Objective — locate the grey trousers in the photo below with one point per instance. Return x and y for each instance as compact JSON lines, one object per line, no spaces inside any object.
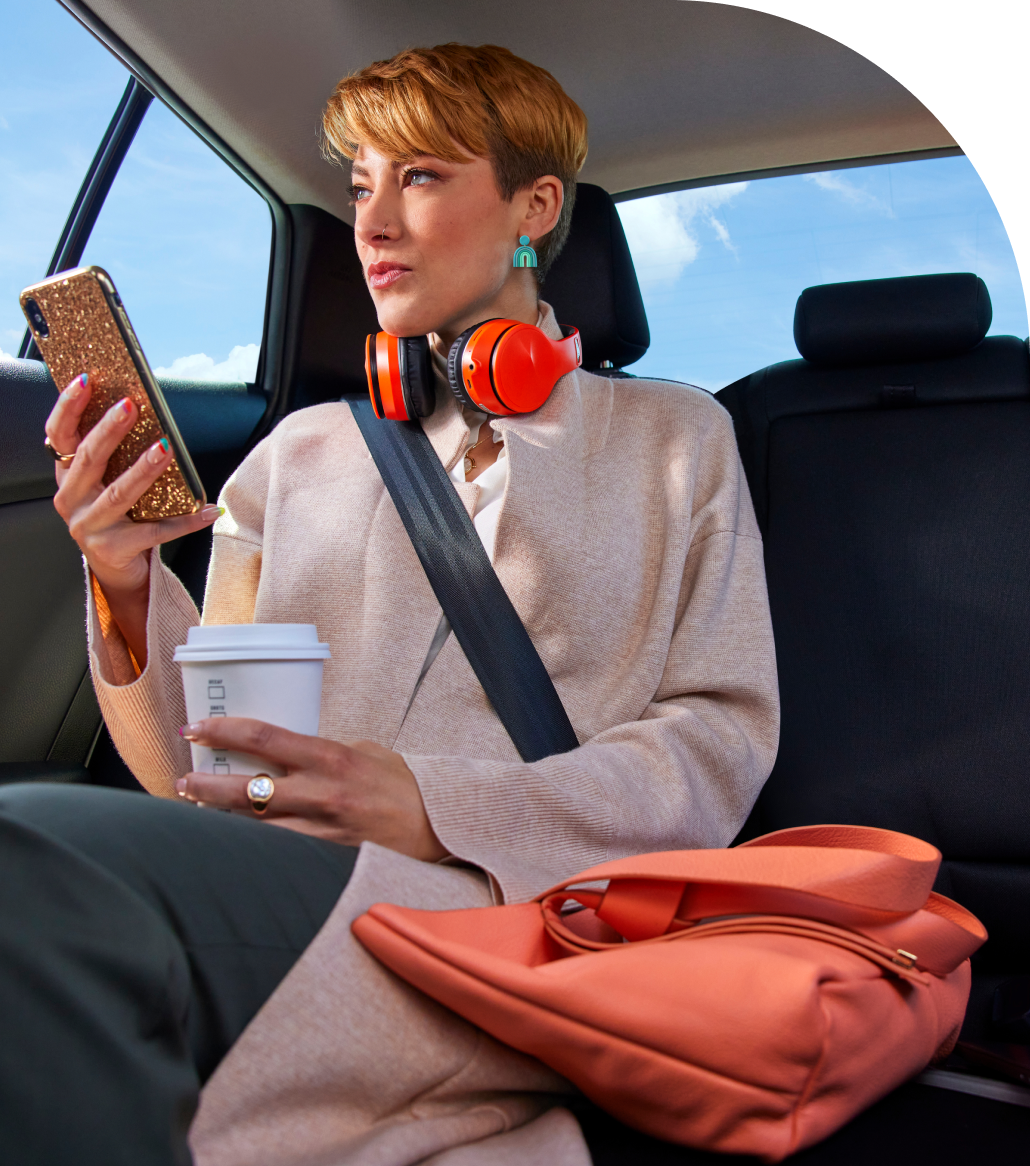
{"x":138,"y":938}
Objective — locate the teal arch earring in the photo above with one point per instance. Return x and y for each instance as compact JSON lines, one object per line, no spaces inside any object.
{"x":524,"y":255}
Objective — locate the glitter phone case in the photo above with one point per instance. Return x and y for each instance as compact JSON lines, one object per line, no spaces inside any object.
{"x":80,"y":326}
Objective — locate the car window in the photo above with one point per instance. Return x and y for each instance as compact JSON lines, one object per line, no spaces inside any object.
{"x":186,"y":240}
{"x":187,"y":243}
{"x":721,"y":267}
{"x":58,"y":90}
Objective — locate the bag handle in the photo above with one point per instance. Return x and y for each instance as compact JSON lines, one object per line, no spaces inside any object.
{"x":869,"y":882}
{"x":483,"y":617}
{"x":862,"y":866}
{"x":850,"y":876}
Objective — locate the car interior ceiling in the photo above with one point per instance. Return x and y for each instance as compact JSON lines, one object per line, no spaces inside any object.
{"x":738,"y":90}
{"x":888,"y":464}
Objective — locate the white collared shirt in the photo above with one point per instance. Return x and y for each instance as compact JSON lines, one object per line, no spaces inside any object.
{"x":491,"y":483}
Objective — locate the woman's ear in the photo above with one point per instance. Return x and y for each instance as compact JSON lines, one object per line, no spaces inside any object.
{"x":543,"y":206}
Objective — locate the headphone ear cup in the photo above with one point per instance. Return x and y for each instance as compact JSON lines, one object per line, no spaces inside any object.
{"x":502,"y":367}
{"x":417,"y":376}
{"x":454,"y":368}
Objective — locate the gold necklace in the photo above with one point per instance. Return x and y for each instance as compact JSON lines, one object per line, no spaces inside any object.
{"x":470,"y":461}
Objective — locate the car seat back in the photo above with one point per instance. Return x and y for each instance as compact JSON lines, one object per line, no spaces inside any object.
{"x":593,"y":284}
{"x":891,"y":476}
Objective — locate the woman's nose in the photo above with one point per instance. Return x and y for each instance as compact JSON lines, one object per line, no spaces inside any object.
{"x":373,"y":222}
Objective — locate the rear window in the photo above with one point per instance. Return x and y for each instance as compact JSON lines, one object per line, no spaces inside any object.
{"x":721,"y":267}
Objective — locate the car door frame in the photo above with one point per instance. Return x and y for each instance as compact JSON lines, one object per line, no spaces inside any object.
{"x":271,"y":378}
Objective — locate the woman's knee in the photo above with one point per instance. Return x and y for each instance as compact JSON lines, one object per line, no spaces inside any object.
{"x":167,"y":849}
{"x":135,"y":837}
{"x":67,"y":811}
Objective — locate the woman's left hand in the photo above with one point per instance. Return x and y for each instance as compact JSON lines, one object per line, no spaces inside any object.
{"x":349,"y":793}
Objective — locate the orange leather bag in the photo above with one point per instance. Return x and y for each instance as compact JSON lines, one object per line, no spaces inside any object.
{"x":749,"y":1000}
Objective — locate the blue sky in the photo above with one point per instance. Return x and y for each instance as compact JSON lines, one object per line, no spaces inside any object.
{"x":721,"y":267}
{"x":187,"y":241}
{"x":58,"y":89}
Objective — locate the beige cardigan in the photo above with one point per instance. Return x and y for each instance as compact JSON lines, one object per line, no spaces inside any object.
{"x":628,"y":545}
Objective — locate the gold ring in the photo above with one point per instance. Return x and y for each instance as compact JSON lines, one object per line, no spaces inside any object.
{"x":260,"y":789}
{"x":63,"y":458}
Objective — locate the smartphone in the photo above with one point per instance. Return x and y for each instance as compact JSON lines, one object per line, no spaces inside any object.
{"x":80,"y":326}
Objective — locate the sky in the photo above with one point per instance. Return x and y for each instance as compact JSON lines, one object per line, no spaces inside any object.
{"x":187,"y":241}
{"x":721,"y":267}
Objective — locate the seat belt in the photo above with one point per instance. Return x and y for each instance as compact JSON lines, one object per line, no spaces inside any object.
{"x":484,"y":619}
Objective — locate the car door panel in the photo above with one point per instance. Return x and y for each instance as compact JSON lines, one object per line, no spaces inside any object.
{"x":48,"y":712}
{"x":41,"y":577}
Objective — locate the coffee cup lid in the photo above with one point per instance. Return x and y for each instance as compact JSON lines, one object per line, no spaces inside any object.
{"x":251,"y":641}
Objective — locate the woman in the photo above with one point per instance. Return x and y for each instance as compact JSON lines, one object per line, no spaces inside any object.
{"x":618,"y":521}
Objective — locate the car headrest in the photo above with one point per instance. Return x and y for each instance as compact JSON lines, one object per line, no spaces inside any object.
{"x":593,"y":285}
{"x":872,"y":321}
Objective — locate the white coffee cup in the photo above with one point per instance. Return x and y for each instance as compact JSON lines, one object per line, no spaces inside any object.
{"x":271,"y":672}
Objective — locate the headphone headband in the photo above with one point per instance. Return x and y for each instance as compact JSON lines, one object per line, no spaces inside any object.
{"x":500,"y":367}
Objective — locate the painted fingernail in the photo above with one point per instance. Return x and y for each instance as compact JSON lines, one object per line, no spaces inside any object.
{"x":125,"y":405}
{"x":210,"y":513}
{"x":158,"y":451}
{"x":74,"y":389}
{"x":180,"y":786}
{"x":190,"y":732}
{"x":85,"y":379}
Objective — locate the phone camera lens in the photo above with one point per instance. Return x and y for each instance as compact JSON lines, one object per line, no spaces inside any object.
{"x":37,"y":319}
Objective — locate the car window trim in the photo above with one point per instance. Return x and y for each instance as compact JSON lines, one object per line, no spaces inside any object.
{"x":269,"y":378}
{"x":114,"y":145}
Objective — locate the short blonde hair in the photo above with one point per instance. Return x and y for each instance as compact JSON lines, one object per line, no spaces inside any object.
{"x":490,"y":102}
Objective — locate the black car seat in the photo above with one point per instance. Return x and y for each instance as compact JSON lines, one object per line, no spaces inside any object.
{"x":890,"y":471}
{"x":593,"y":285}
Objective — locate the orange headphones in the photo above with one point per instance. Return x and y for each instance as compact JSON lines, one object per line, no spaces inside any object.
{"x":499,"y":367}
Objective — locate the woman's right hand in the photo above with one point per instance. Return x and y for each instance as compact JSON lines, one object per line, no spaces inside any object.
{"x":115,"y":547}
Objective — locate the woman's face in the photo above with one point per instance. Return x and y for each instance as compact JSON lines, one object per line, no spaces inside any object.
{"x":436,"y":240}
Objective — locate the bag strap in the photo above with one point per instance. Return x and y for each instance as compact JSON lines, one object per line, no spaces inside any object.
{"x":861,"y":865}
{"x":484,"y":619}
{"x":875,"y":883}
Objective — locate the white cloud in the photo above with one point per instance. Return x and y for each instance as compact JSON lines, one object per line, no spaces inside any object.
{"x":6,"y":355}
{"x":664,"y":230}
{"x":239,"y":365}
{"x":654,"y":225}
{"x":721,"y":231}
{"x":850,"y":192}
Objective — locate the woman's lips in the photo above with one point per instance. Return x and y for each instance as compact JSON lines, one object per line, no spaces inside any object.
{"x":382,"y":275}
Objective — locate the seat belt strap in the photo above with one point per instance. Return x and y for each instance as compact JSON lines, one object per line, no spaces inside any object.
{"x":484,"y":619}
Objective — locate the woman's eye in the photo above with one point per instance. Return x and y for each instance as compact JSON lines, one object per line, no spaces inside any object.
{"x":359,"y":193}
{"x":420,"y":177}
